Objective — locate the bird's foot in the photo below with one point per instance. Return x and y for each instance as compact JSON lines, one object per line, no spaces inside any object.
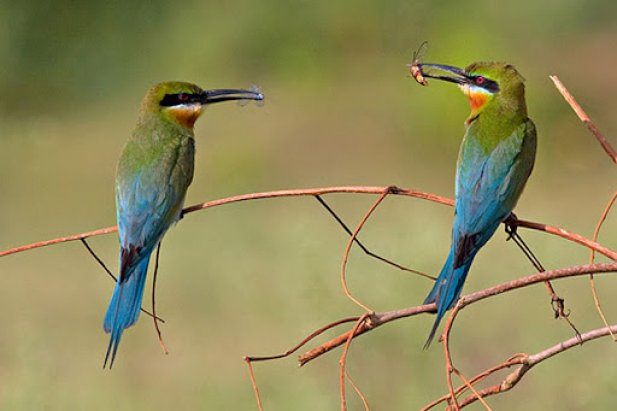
{"x":511,"y":223}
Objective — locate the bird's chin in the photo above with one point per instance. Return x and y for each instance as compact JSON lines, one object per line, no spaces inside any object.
{"x":478,"y":97}
{"x":185,"y":115}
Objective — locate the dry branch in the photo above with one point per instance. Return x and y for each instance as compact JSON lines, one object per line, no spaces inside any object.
{"x":379,"y":319}
{"x":321,"y":191}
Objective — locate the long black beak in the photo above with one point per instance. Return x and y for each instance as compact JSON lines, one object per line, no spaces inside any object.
{"x":458,"y":75}
{"x":220,"y":95}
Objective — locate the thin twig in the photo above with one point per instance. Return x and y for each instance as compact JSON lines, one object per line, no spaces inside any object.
{"x":343,"y":358}
{"x":601,"y":220}
{"x":366,"y":250}
{"x":612,"y":153}
{"x":557,"y":303}
{"x":479,"y":377}
{"x":357,"y":390}
{"x":469,"y":385}
{"x":511,"y":226}
{"x":156,"y":324}
{"x":102,"y":264}
{"x":351,"y":241}
{"x":98,"y":259}
{"x":450,"y":368}
{"x":594,"y":292}
{"x":303,"y":342}
{"x":248,"y":361}
{"x":445,"y":337}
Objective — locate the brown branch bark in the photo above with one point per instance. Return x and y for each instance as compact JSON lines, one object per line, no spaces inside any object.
{"x":568,"y":235}
{"x":245,"y":197}
{"x":321,"y":191}
{"x":379,"y":319}
{"x":73,"y":237}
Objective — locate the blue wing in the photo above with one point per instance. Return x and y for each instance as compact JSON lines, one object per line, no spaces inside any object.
{"x":488,"y":186}
{"x":148,"y":202}
{"x":487,"y":189}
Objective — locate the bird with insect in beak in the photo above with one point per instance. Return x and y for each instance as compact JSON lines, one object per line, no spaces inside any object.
{"x":495,"y":160}
{"x":154,"y":172}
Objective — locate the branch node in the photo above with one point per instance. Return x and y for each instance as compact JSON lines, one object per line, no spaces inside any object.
{"x":393,"y":190}
{"x":558,"y":305}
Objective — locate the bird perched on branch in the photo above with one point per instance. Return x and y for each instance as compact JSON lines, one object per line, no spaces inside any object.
{"x":495,"y":160}
{"x":154,"y":172}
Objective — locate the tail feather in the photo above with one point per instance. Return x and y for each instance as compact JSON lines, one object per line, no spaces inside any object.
{"x":124,"y":308}
{"x":446,"y":290}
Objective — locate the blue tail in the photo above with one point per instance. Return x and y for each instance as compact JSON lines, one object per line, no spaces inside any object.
{"x":124,"y":307}
{"x":447,"y":289}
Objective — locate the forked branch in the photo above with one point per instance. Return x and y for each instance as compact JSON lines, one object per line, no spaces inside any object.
{"x":321,"y":191}
{"x":378,"y":319}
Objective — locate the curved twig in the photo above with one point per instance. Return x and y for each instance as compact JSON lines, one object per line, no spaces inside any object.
{"x":592,"y":255}
{"x":358,"y":392}
{"x":343,"y":359}
{"x":445,"y":337}
{"x":363,"y":247}
{"x":154,"y":278}
{"x":354,"y":235}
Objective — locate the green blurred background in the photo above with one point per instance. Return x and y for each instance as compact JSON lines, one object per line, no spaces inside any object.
{"x":253,"y":278}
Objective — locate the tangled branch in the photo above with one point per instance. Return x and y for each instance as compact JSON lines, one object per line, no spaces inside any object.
{"x":370,"y":320}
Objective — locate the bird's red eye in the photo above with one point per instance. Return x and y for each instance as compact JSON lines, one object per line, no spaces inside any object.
{"x":480,"y":80}
{"x":183,"y":97}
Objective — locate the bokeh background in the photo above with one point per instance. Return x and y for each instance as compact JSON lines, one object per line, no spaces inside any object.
{"x":254,"y":278}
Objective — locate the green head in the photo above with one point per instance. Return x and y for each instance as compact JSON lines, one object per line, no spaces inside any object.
{"x":489,"y":86}
{"x":182,"y":103}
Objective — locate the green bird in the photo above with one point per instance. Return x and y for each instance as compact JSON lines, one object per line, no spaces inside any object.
{"x":495,"y":160}
{"x":154,"y":173}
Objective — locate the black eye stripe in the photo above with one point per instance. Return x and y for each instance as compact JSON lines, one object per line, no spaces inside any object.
{"x":178,"y":98}
{"x":485,"y":83}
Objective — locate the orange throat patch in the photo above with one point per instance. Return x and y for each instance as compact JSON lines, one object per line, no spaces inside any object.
{"x":478,"y":97}
{"x":185,"y":115}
